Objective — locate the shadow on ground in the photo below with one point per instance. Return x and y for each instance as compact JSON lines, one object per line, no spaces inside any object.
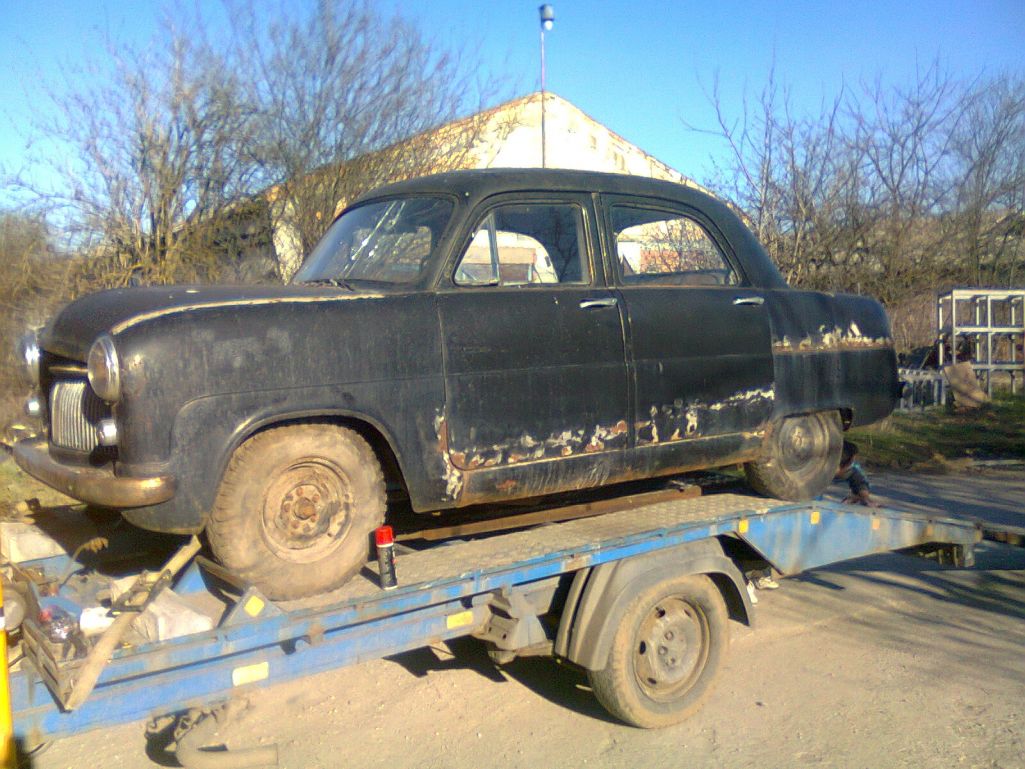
{"x":560,"y":684}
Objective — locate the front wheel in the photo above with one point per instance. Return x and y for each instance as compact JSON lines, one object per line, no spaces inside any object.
{"x":665,"y":654}
{"x":295,"y":509}
{"x":800,"y":457}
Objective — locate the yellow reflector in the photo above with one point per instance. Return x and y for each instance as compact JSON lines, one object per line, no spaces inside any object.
{"x":742,"y":526}
{"x":254,"y":606}
{"x":462,"y":619}
{"x":248,"y":674}
{"x":816,"y":516}
{"x":7,"y":748}
{"x":876,"y":523}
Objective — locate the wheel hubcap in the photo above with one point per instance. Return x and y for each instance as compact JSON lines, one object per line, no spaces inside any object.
{"x":802,"y":441}
{"x":306,"y":510}
{"x":672,"y":647}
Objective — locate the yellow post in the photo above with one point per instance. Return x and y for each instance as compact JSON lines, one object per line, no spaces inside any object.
{"x":7,"y":755}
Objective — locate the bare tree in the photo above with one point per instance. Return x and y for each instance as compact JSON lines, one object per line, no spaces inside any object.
{"x":34,"y":275}
{"x":988,"y":199}
{"x":193,"y":152}
{"x":344,"y":100}
{"x":790,"y":175}
{"x":893,"y":191}
{"x":904,"y":136}
{"x":151,"y":157}
{"x":749,"y":177}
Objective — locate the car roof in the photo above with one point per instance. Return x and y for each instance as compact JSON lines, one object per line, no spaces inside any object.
{"x":480,"y":183}
{"x":472,"y":187}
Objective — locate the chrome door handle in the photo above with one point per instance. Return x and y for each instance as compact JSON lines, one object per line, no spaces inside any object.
{"x":605,"y":301}
{"x":755,"y":300}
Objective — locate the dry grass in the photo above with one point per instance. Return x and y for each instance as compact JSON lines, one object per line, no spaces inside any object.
{"x":16,"y":486}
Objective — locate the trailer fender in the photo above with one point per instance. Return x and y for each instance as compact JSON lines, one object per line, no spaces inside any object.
{"x":598,"y":596}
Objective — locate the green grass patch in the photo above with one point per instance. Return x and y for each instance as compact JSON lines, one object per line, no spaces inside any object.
{"x":938,"y":438}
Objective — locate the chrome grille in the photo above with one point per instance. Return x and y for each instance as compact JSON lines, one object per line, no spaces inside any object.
{"x":74,"y":413}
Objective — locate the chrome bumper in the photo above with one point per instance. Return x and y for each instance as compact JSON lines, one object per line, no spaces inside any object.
{"x":98,"y":486}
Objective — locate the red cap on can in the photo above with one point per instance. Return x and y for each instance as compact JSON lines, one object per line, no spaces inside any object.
{"x":383,"y":535}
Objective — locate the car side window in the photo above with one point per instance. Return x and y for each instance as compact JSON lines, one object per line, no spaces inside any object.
{"x":662,"y":248}
{"x":526,"y":244}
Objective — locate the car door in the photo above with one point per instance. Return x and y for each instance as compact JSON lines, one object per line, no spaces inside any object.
{"x":535,"y":367}
{"x":699,"y":347}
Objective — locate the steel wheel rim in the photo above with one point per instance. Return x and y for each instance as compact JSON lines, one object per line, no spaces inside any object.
{"x":671,"y":649}
{"x":802,"y":442}
{"x":307,"y":510}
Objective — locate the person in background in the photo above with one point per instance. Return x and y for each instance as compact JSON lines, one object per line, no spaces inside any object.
{"x":857,"y":481}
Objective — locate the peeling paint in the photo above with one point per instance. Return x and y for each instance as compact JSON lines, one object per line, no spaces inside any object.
{"x":528,"y":448}
{"x":832,"y":340}
{"x":695,"y":419}
{"x":748,"y":396}
{"x":679,"y":420}
{"x":452,"y":475}
{"x":692,"y":422}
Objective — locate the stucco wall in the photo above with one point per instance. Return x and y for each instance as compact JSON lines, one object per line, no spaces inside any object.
{"x":573,"y":140}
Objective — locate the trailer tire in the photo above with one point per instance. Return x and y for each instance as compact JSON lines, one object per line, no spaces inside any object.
{"x":800,"y":457}
{"x":668,"y":646}
{"x":295,"y":509}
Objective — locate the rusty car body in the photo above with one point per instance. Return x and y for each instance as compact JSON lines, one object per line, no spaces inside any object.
{"x":480,"y":336}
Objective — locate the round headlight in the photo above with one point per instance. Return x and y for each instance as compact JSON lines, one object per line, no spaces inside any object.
{"x":104,"y":371}
{"x":28,"y":356}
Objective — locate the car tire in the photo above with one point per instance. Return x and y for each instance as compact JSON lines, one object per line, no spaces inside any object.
{"x":667,"y":650}
{"x":801,"y":455}
{"x":296,"y":507}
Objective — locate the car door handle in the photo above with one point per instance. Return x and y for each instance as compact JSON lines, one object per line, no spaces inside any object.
{"x":604,"y":301}
{"x":755,"y":300}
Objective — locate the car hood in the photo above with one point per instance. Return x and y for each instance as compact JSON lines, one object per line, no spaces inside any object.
{"x":76,"y":326}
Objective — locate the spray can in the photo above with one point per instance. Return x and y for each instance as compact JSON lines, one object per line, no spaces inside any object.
{"x":385,"y":540}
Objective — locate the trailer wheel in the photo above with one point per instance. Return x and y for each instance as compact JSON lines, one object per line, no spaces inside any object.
{"x":295,"y":509}
{"x":665,"y":654}
{"x":801,"y":456}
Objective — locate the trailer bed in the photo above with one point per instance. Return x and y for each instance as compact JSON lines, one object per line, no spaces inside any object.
{"x":444,"y":592}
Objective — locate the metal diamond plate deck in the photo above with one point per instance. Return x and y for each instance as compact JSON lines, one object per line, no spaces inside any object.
{"x":462,"y":559}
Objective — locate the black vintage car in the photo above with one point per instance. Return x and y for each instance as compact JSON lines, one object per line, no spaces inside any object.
{"x":469,"y":337}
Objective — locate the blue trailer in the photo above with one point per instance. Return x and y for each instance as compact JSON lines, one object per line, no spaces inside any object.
{"x":641,"y":599}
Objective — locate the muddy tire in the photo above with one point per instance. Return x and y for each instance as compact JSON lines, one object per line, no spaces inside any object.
{"x":800,"y":457}
{"x":296,"y":507}
{"x":666,"y":652}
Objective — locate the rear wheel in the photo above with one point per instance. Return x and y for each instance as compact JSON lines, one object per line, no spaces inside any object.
{"x":296,"y":507}
{"x":666,"y":652}
{"x":800,"y":457}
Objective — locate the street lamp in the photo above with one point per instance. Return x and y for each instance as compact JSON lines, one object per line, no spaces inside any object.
{"x":547,"y":22}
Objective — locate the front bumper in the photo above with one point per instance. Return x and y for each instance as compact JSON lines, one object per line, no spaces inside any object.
{"x":96,"y":485}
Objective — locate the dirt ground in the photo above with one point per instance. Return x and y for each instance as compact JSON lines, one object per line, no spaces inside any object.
{"x":886,"y":661}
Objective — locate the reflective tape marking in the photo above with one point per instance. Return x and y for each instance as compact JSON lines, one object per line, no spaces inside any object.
{"x":462,"y":619}
{"x":254,"y":606}
{"x":248,"y":674}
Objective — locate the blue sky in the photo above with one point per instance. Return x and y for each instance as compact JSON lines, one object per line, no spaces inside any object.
{"x":638,"y":66}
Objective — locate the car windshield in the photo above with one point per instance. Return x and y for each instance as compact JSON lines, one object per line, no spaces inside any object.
{"x":387,"y":241}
